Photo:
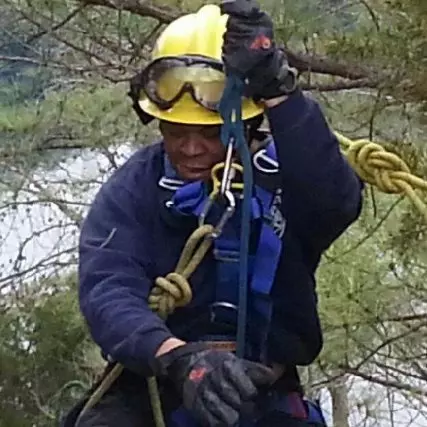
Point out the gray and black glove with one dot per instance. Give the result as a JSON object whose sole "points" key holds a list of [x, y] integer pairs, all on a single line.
{"points": [[249, 51], [213, 384]]}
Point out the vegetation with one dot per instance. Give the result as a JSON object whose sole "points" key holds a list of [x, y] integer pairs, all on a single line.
{"points": [[66, 123]]}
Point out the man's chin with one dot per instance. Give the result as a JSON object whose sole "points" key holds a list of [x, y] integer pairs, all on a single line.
{"points": [[194, 174]]}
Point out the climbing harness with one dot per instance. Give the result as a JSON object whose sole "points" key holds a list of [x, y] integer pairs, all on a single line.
{"points": [[191, 200]]}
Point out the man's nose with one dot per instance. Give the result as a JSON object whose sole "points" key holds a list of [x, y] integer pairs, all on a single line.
{"points": [[192, 146]]}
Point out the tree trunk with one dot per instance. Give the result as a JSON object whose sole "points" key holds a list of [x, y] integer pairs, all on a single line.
{"points": [[339, 395]]}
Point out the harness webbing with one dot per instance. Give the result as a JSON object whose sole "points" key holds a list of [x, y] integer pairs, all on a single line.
{"points": [[233, 132]]}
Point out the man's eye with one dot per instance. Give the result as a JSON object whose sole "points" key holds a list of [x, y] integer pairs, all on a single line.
{"points": [[174, 133], [212, 133]]}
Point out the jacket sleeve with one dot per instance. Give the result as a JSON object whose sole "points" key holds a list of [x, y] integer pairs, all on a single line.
{"points": [[324, 194], [113, 280]]}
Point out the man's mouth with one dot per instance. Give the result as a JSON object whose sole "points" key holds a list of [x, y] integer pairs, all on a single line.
{"points": [[194, 172], [195, 168]]}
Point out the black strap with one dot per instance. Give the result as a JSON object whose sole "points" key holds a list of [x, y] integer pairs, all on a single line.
{"points": [[135, 93]]}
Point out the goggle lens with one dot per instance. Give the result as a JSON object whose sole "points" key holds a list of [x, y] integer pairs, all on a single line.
{"points": [[165, 81]]}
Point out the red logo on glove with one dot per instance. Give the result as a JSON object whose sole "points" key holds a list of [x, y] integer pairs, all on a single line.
{"points": [[261, 42], [197, 374]]}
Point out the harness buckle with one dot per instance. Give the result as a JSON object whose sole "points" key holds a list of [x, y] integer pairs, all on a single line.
{"points": [[225, 306], [228, 212]]}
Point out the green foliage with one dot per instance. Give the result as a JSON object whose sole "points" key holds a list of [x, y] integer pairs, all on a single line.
{"points": [[44, 349], [20, 80], [88, 117], [29, 84], [69, 100], [353, 274]]}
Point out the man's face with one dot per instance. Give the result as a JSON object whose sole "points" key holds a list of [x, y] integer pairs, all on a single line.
{"points": [[192, 149]]}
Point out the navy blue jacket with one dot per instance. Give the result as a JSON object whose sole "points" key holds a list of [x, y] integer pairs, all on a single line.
{"points": [[126, 243]]}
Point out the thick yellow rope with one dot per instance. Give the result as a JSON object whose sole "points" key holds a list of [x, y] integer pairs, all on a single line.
{"points": [[174, 291], [168, 293], [385, 170]]}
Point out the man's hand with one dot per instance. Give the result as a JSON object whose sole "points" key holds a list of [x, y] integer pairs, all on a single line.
{"points": [[249, 38], [213, 384], [249, 51]]}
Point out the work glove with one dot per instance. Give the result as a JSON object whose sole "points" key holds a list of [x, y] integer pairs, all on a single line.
{"points": [[249, 51], [213, 384]]}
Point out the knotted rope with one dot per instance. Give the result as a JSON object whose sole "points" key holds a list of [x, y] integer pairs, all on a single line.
{"points": [[386, 171]]}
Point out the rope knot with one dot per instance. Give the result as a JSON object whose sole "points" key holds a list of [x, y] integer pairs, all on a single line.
{"points": [[169, 293], [379, 167]]}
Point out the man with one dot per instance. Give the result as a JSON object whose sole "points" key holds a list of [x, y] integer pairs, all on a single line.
{"points": [[138, 224]]}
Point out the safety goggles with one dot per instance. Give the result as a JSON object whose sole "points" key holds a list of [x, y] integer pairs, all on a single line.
{"points": [[166, 79]]}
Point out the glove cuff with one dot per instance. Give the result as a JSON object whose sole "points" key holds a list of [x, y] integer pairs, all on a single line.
{"points": [[272, 78], [162, 363], [285, 81]]}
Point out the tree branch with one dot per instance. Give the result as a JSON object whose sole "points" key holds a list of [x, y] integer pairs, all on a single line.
{"points": [[342, 85], [55, 64], [33, 61], [139, 7], [386, 383], [55, 27], [36, 268], [323, 65]]}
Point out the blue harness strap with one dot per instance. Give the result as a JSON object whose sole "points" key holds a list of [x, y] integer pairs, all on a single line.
{"points": [[190, 199]]}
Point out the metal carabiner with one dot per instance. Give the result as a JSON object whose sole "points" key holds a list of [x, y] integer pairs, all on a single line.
{"points": [[229, 172], [228, 212], [226, 183], [223, 189]]}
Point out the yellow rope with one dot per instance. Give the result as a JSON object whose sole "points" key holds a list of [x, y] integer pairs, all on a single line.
{"points": [[174, 291], [168, 293], [385, 170]]}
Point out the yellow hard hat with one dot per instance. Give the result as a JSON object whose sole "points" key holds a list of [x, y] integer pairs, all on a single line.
{"points": [[197, 34]]}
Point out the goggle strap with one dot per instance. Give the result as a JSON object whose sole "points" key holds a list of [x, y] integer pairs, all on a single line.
{"points": [[143, 116]]}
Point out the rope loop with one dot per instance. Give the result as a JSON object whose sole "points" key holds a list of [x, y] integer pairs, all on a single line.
{"points": [[169, 293]]}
